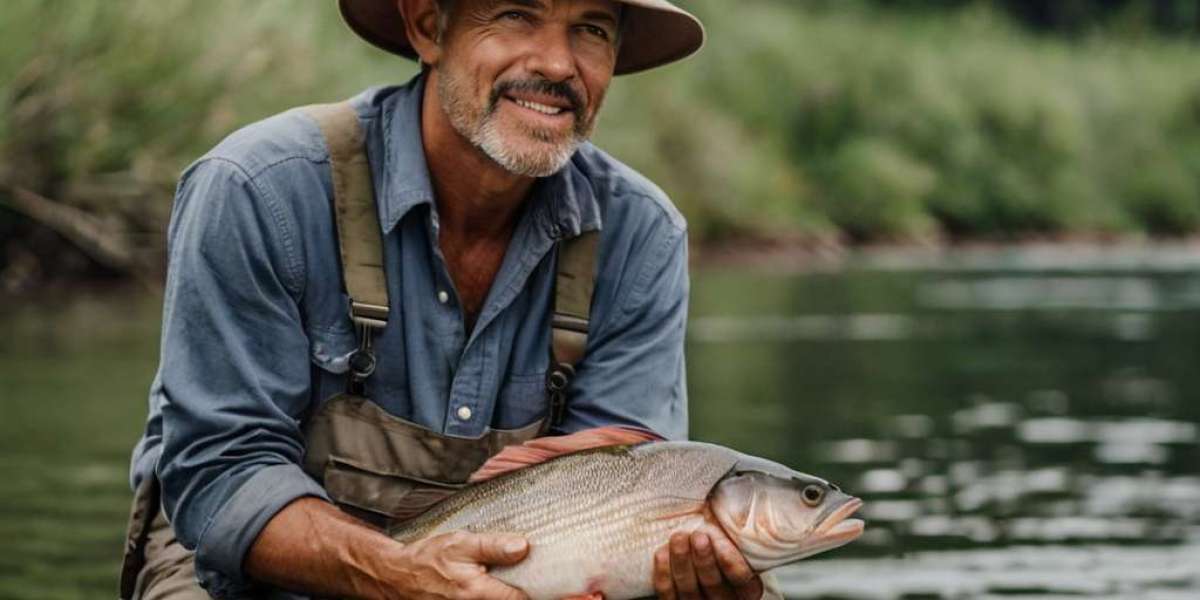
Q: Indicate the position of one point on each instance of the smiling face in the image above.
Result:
(523, 80)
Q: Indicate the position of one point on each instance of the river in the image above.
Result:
(1020, 423)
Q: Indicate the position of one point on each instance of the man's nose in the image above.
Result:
(552, 56)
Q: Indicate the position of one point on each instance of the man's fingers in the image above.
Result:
(683, 573)
(737, 571)
(500, 550)
(707, 572)
(664, 586)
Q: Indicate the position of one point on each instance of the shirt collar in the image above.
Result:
(405, 181)
(564, 203)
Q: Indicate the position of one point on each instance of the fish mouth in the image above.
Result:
(838, 527)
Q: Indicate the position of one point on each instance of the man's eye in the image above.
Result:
(596, 31)
(513, 15)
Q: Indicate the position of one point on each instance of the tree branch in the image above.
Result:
(105, 243)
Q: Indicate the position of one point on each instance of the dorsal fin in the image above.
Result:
(540, 450)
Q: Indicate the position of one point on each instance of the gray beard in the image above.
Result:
(480, 129)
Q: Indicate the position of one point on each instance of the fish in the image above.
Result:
(595, 516)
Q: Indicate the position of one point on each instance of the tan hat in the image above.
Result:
(655, 33)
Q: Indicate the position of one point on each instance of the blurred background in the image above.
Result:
(945, 255)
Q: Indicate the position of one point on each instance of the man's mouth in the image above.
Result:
(542, 105)
(545, 109)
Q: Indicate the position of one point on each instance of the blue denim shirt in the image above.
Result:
(256, 332)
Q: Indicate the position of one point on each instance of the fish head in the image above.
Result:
(776, 515)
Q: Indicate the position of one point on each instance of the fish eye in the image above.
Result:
(813, 495)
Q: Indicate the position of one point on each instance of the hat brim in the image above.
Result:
(656, 32)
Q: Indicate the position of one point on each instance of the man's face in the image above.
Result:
(523, 80)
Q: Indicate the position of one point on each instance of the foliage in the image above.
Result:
(898, 123)
(103, 103)
(1076, 16)
(822, 118)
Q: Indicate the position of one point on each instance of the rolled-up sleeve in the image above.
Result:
(633, 372)
(234, 371)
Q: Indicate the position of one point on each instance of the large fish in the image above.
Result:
(595, 517)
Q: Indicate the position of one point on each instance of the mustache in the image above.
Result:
(539, 86)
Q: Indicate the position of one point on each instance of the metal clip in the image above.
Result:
(557, 381)
(362, 361)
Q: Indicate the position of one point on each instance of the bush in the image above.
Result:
(1019, 134)
(822, 118)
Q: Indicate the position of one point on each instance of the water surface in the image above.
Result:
(1020, 427)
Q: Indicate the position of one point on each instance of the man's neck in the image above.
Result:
(476, 197)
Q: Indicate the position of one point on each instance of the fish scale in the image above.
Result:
(593, 518)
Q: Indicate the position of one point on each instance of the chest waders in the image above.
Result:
(376, 466)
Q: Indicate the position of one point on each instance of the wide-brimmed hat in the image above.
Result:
(654, 32)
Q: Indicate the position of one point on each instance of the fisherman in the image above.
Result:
(366, 300)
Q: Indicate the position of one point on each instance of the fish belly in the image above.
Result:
(615, 558)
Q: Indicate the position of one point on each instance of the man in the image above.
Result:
(482, 177)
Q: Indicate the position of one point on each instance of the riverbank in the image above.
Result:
(780, 256)
(817, 126)
(1060, 252)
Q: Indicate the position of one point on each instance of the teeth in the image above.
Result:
(542, 108)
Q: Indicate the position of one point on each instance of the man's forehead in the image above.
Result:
(610, 8)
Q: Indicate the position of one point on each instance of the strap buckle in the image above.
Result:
(569, 323)
(362, 361)
(558, 380)
(371, 315)
(367, 319)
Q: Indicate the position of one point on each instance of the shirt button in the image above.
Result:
(443, 296)
(464, 413)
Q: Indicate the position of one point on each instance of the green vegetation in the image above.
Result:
(823, 119)
(886, 125)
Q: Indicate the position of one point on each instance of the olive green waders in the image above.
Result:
(376, 466)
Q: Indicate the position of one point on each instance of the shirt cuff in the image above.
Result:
(224, 544)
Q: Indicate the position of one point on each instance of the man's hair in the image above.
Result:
(445, 7)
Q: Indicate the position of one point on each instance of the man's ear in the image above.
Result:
(421, 25)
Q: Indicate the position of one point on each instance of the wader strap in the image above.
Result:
(360, 238)
(573, 286)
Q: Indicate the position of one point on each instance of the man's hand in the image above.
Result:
(699, 565)
(312, 547)
(454, 565)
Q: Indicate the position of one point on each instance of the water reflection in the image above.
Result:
(1045, 444)
(1028, 572)
(1013, 432)
(1025, 293)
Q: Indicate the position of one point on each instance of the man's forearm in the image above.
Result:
(310, 546)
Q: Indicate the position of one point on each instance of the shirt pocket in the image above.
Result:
(521, 401)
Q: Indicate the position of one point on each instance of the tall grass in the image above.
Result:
(813, 118)
(142, 86)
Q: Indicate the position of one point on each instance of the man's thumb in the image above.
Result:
(502, 549)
